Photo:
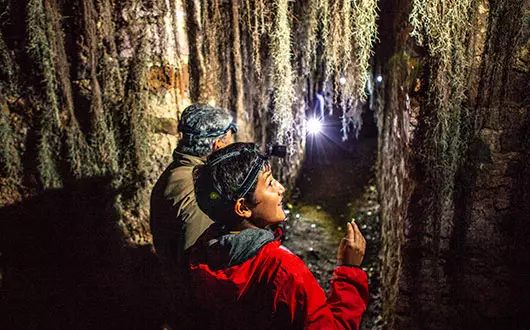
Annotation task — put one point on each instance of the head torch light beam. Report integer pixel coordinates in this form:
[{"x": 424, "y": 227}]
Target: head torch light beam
[{"x": 314, "y": 126}]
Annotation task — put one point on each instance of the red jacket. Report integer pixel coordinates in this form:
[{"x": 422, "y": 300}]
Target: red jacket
[{"x": 249, "y": 281}]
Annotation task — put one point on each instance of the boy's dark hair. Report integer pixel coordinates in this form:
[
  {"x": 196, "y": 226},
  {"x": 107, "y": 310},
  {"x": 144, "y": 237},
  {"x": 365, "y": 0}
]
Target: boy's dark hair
[{"x": 219, "y": 181}]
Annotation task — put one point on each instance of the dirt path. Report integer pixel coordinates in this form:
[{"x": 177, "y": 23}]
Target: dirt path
[{"x": 336, "y": 185}]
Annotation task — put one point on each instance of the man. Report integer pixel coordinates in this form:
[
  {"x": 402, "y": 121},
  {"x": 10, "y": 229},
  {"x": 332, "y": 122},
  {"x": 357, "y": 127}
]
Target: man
[
  {"x": 240, "y": 275},
  {"x": 176, "y": 221}
]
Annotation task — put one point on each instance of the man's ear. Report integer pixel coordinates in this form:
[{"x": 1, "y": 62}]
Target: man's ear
[
  {"x": 222, "y": 141},
  {"x": 241, "y": 209},
  {"x": 219, "y": 143}
]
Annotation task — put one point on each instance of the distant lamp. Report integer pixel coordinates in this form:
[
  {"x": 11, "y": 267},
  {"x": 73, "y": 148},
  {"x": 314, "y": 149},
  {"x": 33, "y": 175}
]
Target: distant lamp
[
  {"x": 379, "y": 79},
  {"x": 342, "y": 80},
  {"x": 314, "y": 126}
]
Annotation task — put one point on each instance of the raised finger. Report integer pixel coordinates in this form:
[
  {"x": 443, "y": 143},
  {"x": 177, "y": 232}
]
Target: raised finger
[
  {"x": 350, "y": 231},
  {"x": 356, "y": 230}
]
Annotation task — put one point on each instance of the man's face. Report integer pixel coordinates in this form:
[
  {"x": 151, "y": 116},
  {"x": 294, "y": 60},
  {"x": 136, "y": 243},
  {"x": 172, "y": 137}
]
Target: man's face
[{"x": 269, "y": 194}]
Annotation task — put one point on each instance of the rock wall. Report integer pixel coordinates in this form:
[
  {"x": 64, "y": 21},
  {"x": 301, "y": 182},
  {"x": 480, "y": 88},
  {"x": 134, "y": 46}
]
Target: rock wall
[
  {"x": 83, "y": 86},
  {"x": 490, "y": 242},
  {"x": 394, "y": 118},
  {"x": 456, "y": 260}
]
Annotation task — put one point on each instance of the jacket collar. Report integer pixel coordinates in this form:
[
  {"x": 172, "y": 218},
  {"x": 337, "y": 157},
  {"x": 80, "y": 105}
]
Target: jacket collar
[
  {"x": 186, "y": 159},
  {"x": 221, "y": 249}
]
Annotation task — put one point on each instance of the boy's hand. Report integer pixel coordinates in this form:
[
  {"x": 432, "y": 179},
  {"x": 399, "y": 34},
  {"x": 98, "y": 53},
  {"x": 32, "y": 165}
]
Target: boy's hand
[{"x": 352, "y": 247}]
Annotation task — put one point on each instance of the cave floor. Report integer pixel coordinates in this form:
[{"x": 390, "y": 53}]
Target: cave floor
[{"x": 336, "y": 185}]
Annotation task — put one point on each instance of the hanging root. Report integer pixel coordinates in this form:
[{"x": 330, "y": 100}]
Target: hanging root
[{"x": 282, "y": 75}]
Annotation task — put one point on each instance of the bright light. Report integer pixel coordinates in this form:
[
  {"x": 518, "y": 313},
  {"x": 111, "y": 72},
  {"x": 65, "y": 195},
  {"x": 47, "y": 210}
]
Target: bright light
[
  {"x": 314, "y": 126},
  {"x": 342, "y": 80},
  {"x": 379, "y": 79}
]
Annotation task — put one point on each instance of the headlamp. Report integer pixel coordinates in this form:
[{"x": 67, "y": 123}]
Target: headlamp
[{"x": 276, "y": 150}]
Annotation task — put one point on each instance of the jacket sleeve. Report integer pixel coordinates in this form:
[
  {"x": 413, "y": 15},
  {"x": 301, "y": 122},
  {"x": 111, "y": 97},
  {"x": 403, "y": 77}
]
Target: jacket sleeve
[{"x": 301, "y": 301}]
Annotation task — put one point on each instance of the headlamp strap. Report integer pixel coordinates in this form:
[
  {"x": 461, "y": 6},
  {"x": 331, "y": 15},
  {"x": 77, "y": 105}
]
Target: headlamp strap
[
  {"x": 251, "y": 177},
  {"x": 223, "y": 157},
  {"x": 199, "y": 135}
]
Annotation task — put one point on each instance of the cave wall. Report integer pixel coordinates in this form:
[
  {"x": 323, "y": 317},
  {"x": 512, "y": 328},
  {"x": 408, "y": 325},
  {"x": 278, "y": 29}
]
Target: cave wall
[
  {"x": 85, "y": 89},
  {"x": 90, "y": 97},
  {"x": 491, "y": 240},
  {"x": 92, "y": 89},
  {"x": 453, "y": 173},
  {"x": 90, "y": 93}
]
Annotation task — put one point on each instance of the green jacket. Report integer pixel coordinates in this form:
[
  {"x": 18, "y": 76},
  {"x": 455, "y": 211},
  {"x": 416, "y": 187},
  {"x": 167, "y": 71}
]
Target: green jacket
[{"x": 176, "y": 220}]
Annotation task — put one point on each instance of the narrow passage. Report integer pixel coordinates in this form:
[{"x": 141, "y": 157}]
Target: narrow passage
[{"x": 336, "y": 185}]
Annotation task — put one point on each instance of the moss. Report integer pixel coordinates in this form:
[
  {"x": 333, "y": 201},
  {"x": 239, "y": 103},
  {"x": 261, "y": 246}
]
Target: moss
[
  {"x": 49, "y": 148},
  {"x": 8, "y": 69},
  {"x": 445, "y": 36},
  {"x": 323, "y": 17},
  {"x": 257, "y": 29},
  {"x": 133, "y": 129},
  {"x": 348, "y": 50},
  {"x": 365, "y": 34},
  {"x": 10, "y": 161},
  {"x": 311, "y": 28},
  {"x": 282, "y": 74},
  {"x": 211, "y": 27}
]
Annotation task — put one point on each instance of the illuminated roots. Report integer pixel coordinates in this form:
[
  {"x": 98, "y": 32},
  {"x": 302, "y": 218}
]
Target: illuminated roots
[
  {"x": 282, "y": 76},
  {"x": 254, "y": 17},
  {"x": 364, "y": 36},
  {"x": 112, "y": 88},
  {"x": 257, "y": 18},
  {"x": 362, "y": 33},
  {"x": 323, "y": 17},
  {"x": 112, "y": 81},
  {"x": 334, "y": 39},
  {"x": 257, "y": 32},
  {"x": 349, "y": 41},
  {"x": 312, "y": 14},
  {"x": 445, "y": 37},
  {"x": 212, "y": 27}
]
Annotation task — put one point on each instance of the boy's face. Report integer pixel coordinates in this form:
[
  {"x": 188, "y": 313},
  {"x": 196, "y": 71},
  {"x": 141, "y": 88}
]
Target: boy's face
[{"x": 269, "y": 194}]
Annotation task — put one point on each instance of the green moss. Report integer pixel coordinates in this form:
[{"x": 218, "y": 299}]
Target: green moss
[
  {"x": 7, "y": 69},
  {"x": 49, "y": 146},
  {"x": 10, "y": 161}
]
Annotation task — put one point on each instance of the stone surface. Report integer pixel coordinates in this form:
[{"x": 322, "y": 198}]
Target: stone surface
[{"x": 462, "y": 269}]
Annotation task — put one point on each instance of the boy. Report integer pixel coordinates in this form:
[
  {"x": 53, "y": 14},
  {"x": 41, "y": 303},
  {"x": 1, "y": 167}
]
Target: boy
[{"x": 241, "y": 276}]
